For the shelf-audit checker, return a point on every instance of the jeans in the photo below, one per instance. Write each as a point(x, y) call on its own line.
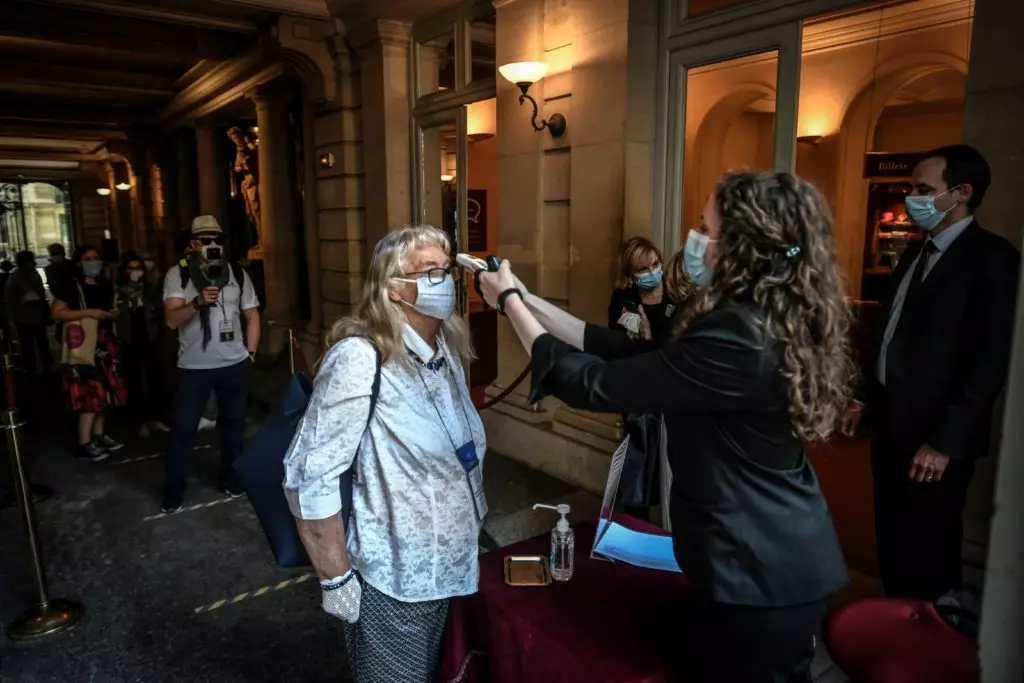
point(231, 387)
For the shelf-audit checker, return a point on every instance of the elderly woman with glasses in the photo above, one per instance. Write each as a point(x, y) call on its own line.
point(417, 498)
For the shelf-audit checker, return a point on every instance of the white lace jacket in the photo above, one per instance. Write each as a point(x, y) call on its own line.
point(414, 532)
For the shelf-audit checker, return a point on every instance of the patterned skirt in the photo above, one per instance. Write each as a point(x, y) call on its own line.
point(94, 388)
point(395, 641)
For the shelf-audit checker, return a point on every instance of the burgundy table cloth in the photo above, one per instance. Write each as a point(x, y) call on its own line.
point(612, 622)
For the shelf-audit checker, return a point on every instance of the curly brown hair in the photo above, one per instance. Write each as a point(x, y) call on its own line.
point(776, 249)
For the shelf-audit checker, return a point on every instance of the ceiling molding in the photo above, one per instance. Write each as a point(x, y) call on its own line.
point(37, 155)
point(25, 130)
point(139, 10)
point(208, 85)
point(885, 23)
point(387, 32)
point(316, 9)
point(231, 94)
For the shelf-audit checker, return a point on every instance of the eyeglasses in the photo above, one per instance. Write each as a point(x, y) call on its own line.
point(207, 241)
point(434, 275)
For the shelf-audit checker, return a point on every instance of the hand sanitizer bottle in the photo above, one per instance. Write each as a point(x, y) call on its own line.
point(563, 544)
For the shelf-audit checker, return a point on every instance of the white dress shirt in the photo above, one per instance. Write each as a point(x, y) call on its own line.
point(942, 242)
point(413, 533)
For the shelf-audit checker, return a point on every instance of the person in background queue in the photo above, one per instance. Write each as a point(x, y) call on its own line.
point(941, 359)
point(92, 389)
point(417, 501)
point(211, 302)
point(640, 290)
point(761, 363)
point(26, 303)
point(137, 328)
point(60, 270)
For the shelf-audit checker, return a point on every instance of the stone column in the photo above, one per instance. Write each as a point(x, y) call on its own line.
point(994, 110)
point(383, 49)
point(277, 244)
point(211, 167)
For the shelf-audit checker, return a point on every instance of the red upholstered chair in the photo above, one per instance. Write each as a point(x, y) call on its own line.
point(883, 640)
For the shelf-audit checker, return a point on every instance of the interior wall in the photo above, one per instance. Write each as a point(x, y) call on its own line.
point(835, 78)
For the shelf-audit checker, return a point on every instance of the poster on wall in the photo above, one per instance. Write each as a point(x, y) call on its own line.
point(477, 223)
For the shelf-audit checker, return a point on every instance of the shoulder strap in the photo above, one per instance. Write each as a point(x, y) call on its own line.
point(239, 274)
point(375, 389)
point(183, 272)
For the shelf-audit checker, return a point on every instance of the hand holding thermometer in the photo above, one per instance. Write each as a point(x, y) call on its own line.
point(478, 265)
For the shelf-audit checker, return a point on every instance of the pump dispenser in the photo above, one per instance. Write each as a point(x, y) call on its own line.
point(563, 543)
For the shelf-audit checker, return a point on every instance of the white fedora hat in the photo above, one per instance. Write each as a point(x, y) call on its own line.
point(204, 225)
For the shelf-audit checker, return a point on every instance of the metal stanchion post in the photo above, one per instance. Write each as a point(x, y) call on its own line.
point(291, 352)
point(40, 493)
point(47, 615)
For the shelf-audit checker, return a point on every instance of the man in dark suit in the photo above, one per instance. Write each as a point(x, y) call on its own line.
point(942, 355)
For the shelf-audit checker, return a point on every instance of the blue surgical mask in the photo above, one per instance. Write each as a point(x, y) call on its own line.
point(434, 300)
point(922, 211)
point(92, 268)
point(649, 279)
point(693, 258)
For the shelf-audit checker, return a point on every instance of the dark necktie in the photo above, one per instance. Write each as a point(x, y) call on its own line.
point(917, 277)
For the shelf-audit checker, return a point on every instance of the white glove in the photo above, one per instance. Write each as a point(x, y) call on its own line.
point(341, 596)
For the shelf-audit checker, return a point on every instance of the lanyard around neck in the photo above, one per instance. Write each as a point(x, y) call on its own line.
point(458, 396)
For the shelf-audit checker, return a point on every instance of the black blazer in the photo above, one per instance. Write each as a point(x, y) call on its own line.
point(950, 353)
point(749, 523)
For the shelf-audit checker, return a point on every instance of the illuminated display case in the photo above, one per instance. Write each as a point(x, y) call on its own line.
point(889, 233)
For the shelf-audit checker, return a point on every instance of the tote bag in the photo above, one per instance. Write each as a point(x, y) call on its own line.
point(78, 346)
point(261, 469)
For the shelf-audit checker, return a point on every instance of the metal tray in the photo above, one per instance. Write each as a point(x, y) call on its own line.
point(527, 570)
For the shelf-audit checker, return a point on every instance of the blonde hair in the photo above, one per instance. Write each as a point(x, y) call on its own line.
point(678, 285)
point(635, 255)
point(378, 317)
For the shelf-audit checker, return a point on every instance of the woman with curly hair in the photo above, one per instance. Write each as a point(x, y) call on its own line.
point(759, 364)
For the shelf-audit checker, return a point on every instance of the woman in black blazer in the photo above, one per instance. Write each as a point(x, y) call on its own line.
point(759, 365)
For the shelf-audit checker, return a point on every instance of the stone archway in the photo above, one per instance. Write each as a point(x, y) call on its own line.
point(704, 163)
point(856, 136)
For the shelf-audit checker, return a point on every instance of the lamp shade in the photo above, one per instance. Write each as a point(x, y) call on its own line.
point(523, 72)
point(103, 191)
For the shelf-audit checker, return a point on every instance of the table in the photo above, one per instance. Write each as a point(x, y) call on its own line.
point(611, 623)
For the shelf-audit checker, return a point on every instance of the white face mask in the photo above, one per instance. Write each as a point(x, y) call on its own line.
point(436, 301)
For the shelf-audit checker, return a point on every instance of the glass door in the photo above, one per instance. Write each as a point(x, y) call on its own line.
point(731, 105)
point(440, 192)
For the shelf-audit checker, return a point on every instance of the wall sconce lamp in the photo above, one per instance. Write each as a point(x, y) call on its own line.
point(447, 177)
point(810, 139)
point(103, 191)
point(326, 160)
point(523, 75)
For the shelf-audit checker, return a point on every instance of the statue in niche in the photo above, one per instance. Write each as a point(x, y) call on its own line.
point(247, 168)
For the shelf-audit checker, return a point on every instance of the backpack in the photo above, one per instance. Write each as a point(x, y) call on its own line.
point(261, 469)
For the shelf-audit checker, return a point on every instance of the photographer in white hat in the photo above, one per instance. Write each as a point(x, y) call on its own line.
point(212, 304)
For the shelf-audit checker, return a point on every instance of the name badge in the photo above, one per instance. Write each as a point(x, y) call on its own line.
point(668, 310)
point(466, 453)
point(227, 331)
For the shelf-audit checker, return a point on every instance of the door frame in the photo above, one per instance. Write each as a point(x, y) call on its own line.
point(671, 124)
point(420, 181)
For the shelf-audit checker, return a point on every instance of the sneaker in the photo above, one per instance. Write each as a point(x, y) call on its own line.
point(144, 431)
point(206, 424)
point(106, 443)
point(90, 451)
point(170, 508)
point(158, 426)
